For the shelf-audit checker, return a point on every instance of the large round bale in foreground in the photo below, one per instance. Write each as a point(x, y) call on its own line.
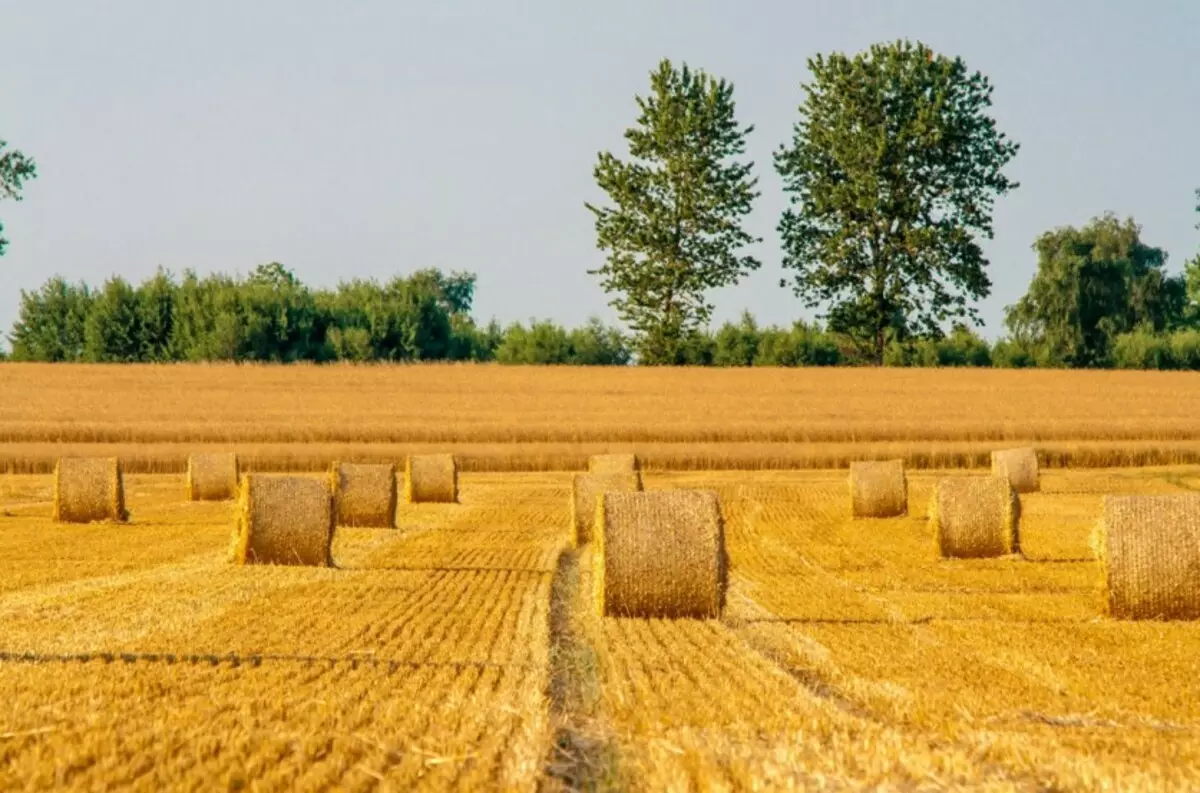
point(878, 489)
point(430, 477)
point(1019, 466)
point(585, 488)
point(212, 476)
point(1149, 548)
point(975, 517)
point(364, 494)
point(88, 489)
point(612, 463)
point(660, 553)
point(284, 520)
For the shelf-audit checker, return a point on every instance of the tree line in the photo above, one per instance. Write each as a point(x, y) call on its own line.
point(891, 175)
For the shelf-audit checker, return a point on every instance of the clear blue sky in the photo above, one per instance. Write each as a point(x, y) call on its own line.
point(373, 137)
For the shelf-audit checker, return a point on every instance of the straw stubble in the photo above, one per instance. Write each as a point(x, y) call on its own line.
point(285, 520)
point(660, 553)
point(1149, 549)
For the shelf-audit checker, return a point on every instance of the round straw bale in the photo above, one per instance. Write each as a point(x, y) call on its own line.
point(364, 494)
point(660, 553)
point(585, 488)
point(212, 477)
point(431, 477)
point(89, 489)
point(975, 517)
point(1149, 549)
point(613, 463)
point(284, 520)
point(1020, 466)
point(878, 489)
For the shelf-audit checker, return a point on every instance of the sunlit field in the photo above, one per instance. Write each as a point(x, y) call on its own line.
point(461, 650)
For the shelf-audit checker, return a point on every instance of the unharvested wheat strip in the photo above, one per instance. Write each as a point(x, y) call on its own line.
point(585, 488)
point(88, 489)
point(364, 494)
point(431, 478)
point(212, 476)
point(975, 517)
point(878, 489)
point(1019, 466)
point(1149, 547)
point(660, 553)
point(284, 520)
point(613, 463)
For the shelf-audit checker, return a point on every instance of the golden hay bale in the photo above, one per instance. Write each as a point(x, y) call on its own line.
point(975, 517)
point(212, 477)
point(1149, 549)
point(364, 494)
point(613, 463)
point(878, 489)
point(88, 489)
point(1020, 466)
point(284, 520)
point(660, 553)
point(430, 477)
point(585, 488)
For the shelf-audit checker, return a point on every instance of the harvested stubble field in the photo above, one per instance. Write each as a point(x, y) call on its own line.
point(462, 651)
point(498, 418)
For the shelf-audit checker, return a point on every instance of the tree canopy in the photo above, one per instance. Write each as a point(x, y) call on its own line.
point(15, 169)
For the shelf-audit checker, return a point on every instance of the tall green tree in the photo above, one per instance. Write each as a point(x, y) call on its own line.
point(1093, 284)
point(675, 230)
point(15, 169)
point(892, 173)
point(112, 332)
point(1191, 274)
point(50, 322)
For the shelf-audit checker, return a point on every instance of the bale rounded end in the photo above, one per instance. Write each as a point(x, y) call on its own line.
point(431, 478)
point(212, 477)
point(660, 553)
point(878, 489)
point(1019, 466)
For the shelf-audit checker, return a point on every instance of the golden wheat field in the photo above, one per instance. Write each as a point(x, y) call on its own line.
point(462, 650)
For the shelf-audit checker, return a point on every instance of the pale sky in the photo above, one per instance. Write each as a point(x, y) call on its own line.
point(372, 138)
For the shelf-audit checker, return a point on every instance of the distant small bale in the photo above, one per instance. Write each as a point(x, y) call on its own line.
point(1020, 466)
point(586, 488)
point(431, 478)
point(878, 489)
point(364, 494)
point(212, 477)
point(660, 553)
point(1149, 549)
point(975, 517)
point(613, 463)
point(88, 489)
point(285, 520)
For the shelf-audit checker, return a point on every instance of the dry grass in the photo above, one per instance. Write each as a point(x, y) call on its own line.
point(88, 489)
point(848, 656)
point(1149, 546)
point(660, 554)
point(431, 478)
point(1019, 467)
point(212, 476)
point(283, 520)
point(364, 494)
point(975, 517)
point(878, 489)
point(586, 488)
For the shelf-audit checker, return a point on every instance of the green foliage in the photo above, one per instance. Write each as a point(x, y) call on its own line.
point(1185, 349)
point(1142, 349)
point(675, 231)
point(112, 331)
point(892, 172)
point(50, 322)
point(1094, 284)
point(545, 342)
point(15, 169)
